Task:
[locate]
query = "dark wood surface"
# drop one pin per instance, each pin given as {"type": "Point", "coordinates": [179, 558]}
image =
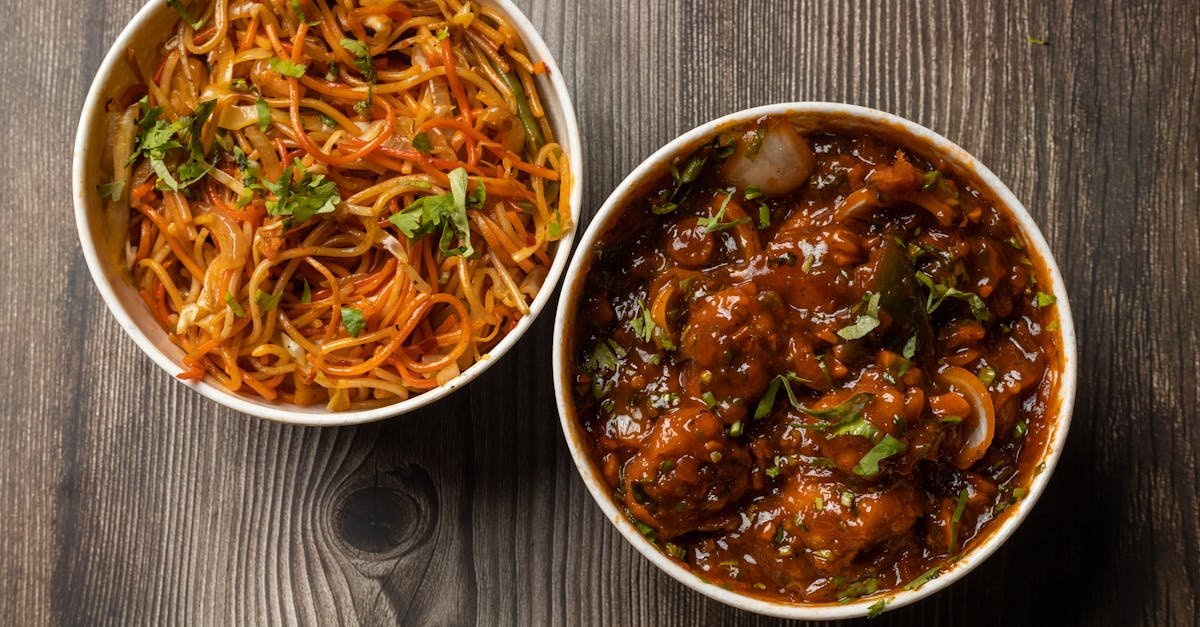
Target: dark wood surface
{"type": "Point", "coordinates": [125, 498]}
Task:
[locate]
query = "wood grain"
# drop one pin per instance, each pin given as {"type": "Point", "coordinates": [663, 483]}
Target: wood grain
{"type": "Point", "coordinates": [127, 499]}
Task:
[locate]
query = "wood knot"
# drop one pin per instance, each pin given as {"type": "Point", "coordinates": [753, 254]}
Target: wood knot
{"type": "Point", "coordinates": [398, 513]}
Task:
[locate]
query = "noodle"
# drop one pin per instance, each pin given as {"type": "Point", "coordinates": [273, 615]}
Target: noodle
{"type": "Point", "coordinates": [341, 203]}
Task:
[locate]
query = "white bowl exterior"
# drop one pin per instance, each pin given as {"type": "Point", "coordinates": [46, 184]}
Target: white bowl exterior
{"type": "Point", "coordinates": [866, 119]}
{"type": "Point", "coordinates": [145, 35]}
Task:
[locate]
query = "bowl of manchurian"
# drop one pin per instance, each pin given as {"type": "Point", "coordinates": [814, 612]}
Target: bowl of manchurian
{"type": "Point", "coordinates": [327, 213]}
{"type": "Point", "coordinates": [814, 361]}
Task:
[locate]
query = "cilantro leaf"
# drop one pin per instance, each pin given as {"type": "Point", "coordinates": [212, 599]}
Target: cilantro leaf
{"type": "Point", "coordinates": [185, 14]}
{"type": "Point", "coordinates": [287, 68]}
{"type": "Point", "coordinates": [924, 578]}
{"type": "Point", "coordinates": [445, 211]}
{"type": "Point", "coordinates": [601, 360]}
{"type": "Point", "coordinates": [868, 466]}
{"type": "Point", "coordinates": [858, 589]}
{"type": "Point", "coordinates": [302, 200]}
{"type": "Point", "coordinates": [300, 14]}
{"type": "Point", "coordinates": [939, 292]}
{"type": "Point", "coordinates": [714, 224]}
{"type": "Point", "coordinates": [264, 113]}
{"type": "Point", "coordinates": [352, 319]}
{"type": "Point", "coordinates": [1044, 300]}
{"type": "Point", "coordinates": [266, 300]}
{"type": "Point", "coordinates": [422, 144]}
{"type": "Point", "coordinates": [362, 57]}
{"type": "Point", "coordinates": [865, 323]}
{"type": "Point", "coordinates": [159, 140]}
{"type": "Point", "coordinates": [848, 409]}
{"type": "Point", "coordinates": [959, 507]}
{"type": "Point", "coordinates": [235, 306]}
{"type": "Point", "coordinates": [768, 398]}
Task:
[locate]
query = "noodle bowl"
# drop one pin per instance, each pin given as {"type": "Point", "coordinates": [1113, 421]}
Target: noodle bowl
{"type": "Point", "coordinates": [336, 204]}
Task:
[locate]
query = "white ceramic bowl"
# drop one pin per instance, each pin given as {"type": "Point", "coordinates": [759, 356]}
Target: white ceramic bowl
{"type": "Point", "coordinates": [145, 34]}
{"type": "Point", "coordinates": [835, 117]}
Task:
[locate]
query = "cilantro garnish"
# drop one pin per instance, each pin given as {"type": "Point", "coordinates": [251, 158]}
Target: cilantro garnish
{"type": "Point", "coordinates": [445, 211]}
{"type": "Point", "coordinates": [266, 300]}
{"type": "Point", "coordinates": [264, 113]}
{"type": "Point", "coordinates": [301, 200]}
{"type": "Point", "coordinates": [422, 144]}
{"type": "Point", "coordinates": [287, 68]}
{"type": "Point", "coordinates": [714, 224]}
{"type": "Point", "coordinates": [185, 14]}
{"type": "Point", "coordinates": [159, 140]}
{"type": "Point", "coordinates": [362, 57]}
{"type": "Point", "coordinates": [352, 319]}
{"type": "Point", "coordinates": [865, 323]}
{"type": "Point", "coordinates": [235, 306]}
{"type": "Point", "coordinates": [939, 292]}
{"type": "Point", "coordinates": [924, 578]}
{"type": "Point", "coordinates": [868, 466]}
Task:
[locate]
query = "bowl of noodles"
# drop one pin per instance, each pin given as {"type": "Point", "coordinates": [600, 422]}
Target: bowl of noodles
{"type": "Point", "coordinates": [327, 213]}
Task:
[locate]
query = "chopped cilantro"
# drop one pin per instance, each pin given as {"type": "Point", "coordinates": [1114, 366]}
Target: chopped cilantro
{"type": "Point", "coordinates": [714, 224]}
{"type": "Point", "coordinates": [939, 292]}
{"type": "Point", "coordinates": [910, 348]}
{"type": "Point", "coordinates": [266, 300]}
{"type": "Point", "coordinates": [362, 57]}
{"type": "Point", "coordinates": [185, 14]}
{"type": "Point", "coordinates": [669, 200]}
{"type": "Point", "coordinates": [287, 68]}
{"type": "Point", "coordinates": [868, 466]}
{"type": "Point", "coordinates": [865, 323]}
{"type": "Point", "coordinates": [959, 507]}
{"type": "Point", "coordinates": [768, 398]}
{"type": "Point", "coordinates": [858, 589]}
{"type": "Point", "coordinates": [352, 319]}
{"type": "Point", "coordinates": [264, 113]}
{"type": "Point", "coordinates": [422, 144]}
{"type": "Point", "coordinates": [159, 140]}
{"type": "Point", "coordinates": [445, 211]}
{"type": "Point", "coordinates": [235, 306]}
{"type": "Point", "coordinates": [602, 359]}
{"type": "Point", "coordinates": [923, 578]}
{"type": "Point", "coordinates": [930, 180]}
{"type": "Point", "coordinates": [300, 200]}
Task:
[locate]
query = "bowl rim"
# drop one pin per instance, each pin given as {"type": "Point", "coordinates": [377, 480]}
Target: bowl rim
{"type": "Point", "coordinates": [573, 282]}
{"type": "Point", "coordinates": [563, 114]}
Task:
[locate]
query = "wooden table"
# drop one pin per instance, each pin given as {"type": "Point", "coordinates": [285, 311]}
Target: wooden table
{"type": "Point", "coordinates": [126, 498]}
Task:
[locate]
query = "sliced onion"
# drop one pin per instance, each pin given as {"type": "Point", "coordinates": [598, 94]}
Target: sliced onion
{"type": "Point", "coordinates": [782, 163]}
{"type": "Point", "coordinates": [981, 422]}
